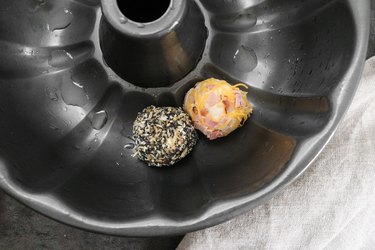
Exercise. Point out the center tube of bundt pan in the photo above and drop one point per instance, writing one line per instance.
(152, 44)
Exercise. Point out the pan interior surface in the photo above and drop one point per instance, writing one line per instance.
(69, 94)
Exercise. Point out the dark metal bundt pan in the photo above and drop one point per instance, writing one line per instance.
(75, 73)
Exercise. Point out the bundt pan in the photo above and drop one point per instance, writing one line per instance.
(75, 73)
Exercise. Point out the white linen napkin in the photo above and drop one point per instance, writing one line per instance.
(331, 206)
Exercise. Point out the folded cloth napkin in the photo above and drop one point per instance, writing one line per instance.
(331, 206)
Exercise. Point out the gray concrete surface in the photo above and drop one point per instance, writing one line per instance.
(22, 228)
(371, 47)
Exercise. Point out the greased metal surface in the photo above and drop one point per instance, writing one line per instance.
(66, 112)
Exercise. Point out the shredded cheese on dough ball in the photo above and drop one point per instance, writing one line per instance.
(217, 108)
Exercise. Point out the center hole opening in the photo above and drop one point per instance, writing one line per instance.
(141, 11)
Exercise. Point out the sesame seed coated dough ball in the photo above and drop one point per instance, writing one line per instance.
(163, 135)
